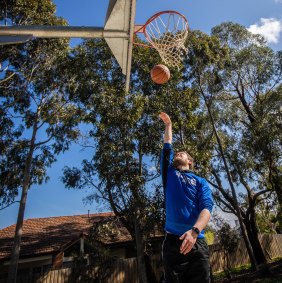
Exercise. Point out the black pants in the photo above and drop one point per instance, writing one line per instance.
(194, 267)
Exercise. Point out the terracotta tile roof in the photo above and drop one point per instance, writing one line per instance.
(47, 235)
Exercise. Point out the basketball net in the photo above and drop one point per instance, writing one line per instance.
(167, 32)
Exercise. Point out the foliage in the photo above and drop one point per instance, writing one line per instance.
(33, 101)
(252, 92)
(44, 97)
(238, 75)
(233, 270)
(247, 270)
(96, 264)
(266, 215)
(209, 236)
(127, 135)
(95, 267)
(237, 88)
(210, 228)
(228, 240)
(38, 118)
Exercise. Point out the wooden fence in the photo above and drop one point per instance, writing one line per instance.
(54, 276)
(271, 244)
(125, 271)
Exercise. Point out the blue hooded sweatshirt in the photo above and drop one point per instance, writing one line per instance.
(186, 195)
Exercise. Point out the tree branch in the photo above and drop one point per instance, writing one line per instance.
(9, 204)
(226, 204)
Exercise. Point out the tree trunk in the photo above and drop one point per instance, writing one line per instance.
(227, 265)
(248, 247)
(12, 274)
(254, 240)
(141, 265)
(276, 180)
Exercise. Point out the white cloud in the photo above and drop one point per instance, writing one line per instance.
(270, 29)
(278, 1)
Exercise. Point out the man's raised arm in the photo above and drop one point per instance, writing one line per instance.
(168, 127)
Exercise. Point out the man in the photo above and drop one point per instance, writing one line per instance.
(188, 209)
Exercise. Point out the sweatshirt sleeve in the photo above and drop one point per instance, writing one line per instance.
(205, 197)
(166, 160)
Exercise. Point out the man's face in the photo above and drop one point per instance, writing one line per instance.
(181, 158)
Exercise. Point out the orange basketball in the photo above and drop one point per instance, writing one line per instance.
(160, 74)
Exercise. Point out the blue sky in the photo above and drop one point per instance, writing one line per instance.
(260, 16)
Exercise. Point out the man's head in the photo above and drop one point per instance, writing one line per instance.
(182, 160)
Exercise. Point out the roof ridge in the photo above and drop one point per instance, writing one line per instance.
(64, 216)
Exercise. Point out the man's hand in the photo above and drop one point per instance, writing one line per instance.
(168, 127)
(165, 118)
(189, 239)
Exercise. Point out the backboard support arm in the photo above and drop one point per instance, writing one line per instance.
(118, 32)
(62, 32)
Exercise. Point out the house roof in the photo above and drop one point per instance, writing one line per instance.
(48, 235)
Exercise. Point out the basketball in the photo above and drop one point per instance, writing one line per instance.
(160, 74)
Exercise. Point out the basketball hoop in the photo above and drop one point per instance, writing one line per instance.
(166, 32)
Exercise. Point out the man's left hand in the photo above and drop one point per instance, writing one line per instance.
(189, 239)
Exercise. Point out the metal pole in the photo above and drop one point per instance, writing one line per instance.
(61, 31)
(130, 45)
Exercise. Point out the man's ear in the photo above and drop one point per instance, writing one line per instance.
(189, 162)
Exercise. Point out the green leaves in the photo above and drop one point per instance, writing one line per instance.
(35, 111)
(30, 12)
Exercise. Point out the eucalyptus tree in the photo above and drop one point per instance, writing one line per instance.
(114, 174)
(17, 66)
(250, 192)
(204, 65)
(252, 82)
(222, 81)
(256, 184)
(126, 136)
(40, 121)
(252, 97)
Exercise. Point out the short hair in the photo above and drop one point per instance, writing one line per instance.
(192, 165)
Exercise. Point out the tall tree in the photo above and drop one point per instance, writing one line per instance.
(18, 64)
(236, 123)
(250, 96)
(252, 81)
(35, 107)
(205, 61)
(248, 199)
(127, 137)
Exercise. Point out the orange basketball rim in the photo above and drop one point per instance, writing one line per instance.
(166, 32)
